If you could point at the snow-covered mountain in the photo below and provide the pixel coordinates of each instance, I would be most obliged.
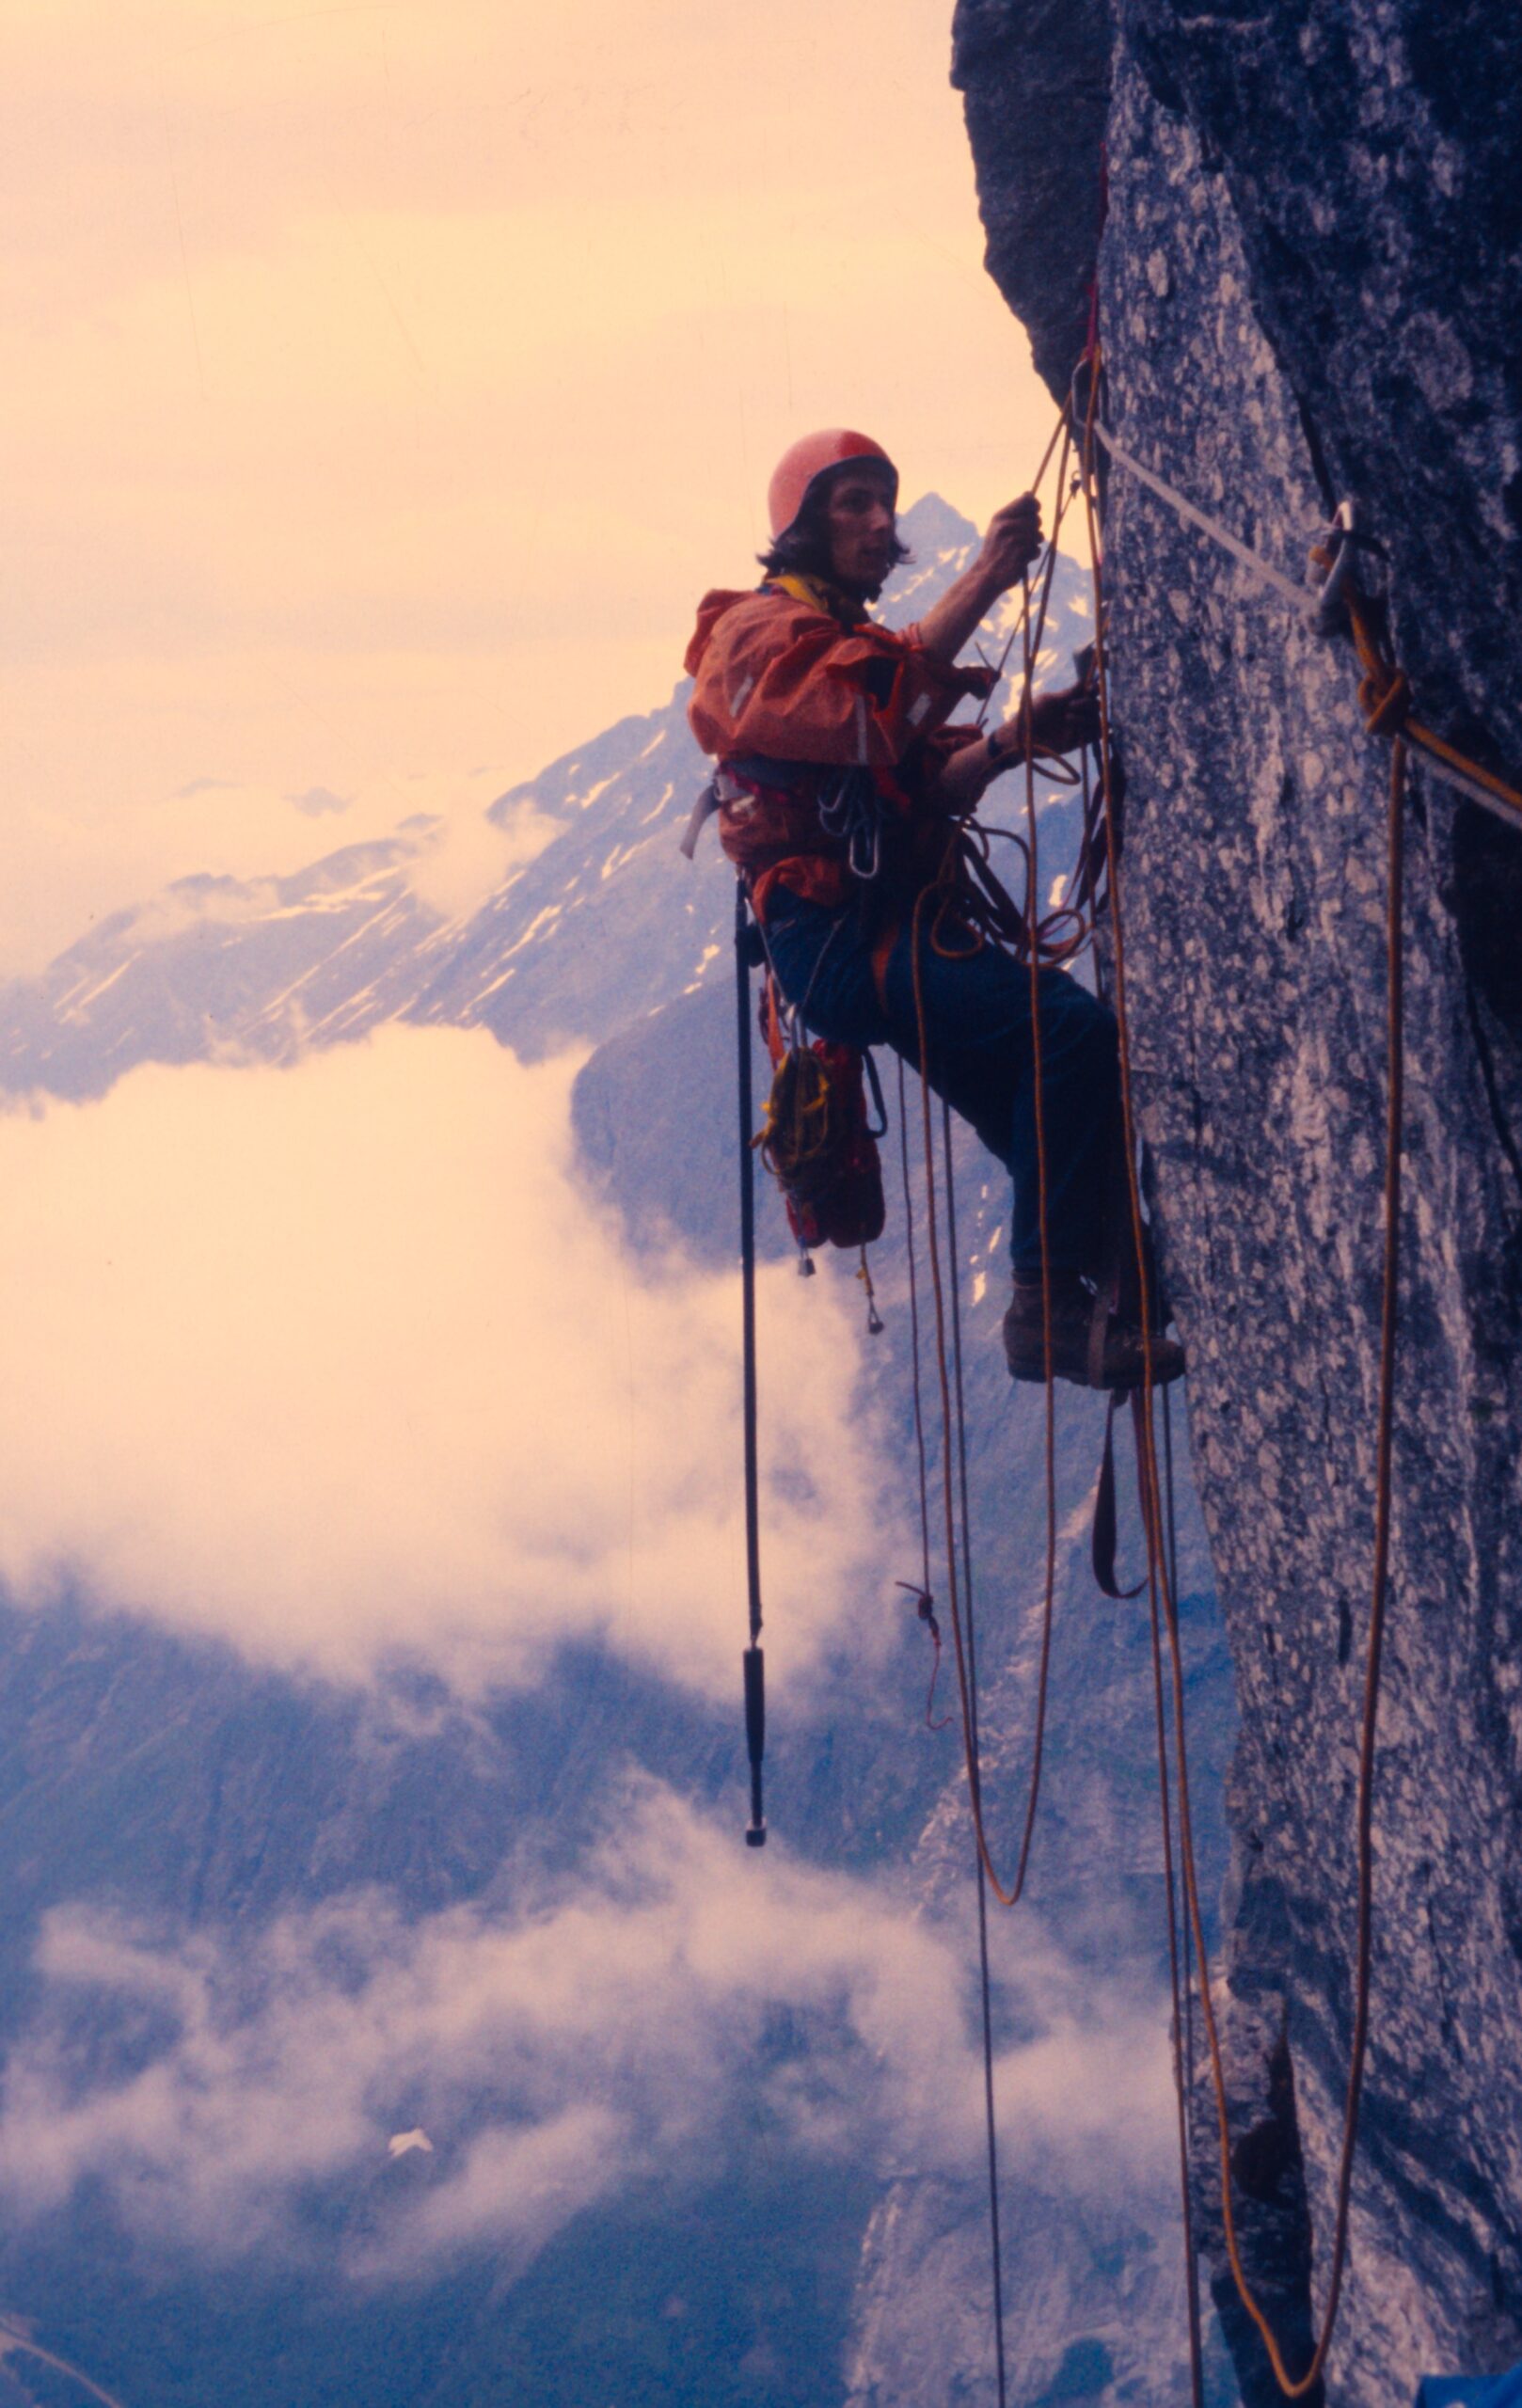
(602, 923)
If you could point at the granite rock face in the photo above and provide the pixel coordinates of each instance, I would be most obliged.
(1308, 290)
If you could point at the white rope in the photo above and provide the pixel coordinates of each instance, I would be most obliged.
(1305, 600)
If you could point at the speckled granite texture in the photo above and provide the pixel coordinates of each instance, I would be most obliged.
(1309, 289)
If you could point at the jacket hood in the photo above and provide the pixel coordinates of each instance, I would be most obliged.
(812, 592)
(710, 610)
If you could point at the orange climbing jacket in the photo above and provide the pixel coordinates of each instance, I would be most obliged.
(794, 687)
(828, 733)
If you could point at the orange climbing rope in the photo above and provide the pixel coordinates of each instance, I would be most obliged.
(1040, 939)
(1008, 1894)
(986, 913)
(1385, 697)
(1152, 1517)
(952, 905)
(1382, 685)
(1178, 1990)
(919, 1590)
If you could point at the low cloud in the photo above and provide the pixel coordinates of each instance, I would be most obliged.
(553, 2053)
(465, 856)
(317, 802)
(338, 1364)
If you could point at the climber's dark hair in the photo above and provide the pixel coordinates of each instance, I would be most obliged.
(803, 548)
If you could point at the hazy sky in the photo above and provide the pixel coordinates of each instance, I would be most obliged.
(383, 382)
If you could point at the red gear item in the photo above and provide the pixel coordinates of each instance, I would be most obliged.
(817, 1142)
(808, 458)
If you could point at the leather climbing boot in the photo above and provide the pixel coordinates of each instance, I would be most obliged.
(1111, 1358)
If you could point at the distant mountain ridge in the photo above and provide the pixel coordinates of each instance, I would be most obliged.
(216, 968)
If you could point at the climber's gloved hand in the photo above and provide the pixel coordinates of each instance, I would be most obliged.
(1012, 541)
(1067, 719)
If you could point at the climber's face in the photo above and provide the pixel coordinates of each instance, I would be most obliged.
(860, 522)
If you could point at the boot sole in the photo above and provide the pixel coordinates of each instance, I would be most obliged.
(1034, 1376)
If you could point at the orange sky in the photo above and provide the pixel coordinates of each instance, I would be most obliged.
(383, 382)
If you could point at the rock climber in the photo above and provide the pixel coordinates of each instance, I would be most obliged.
(839, 768)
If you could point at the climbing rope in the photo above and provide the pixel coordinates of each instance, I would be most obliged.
(984, 1984)
(969, 906)
(1158, 1590)
(1161, 1587)
(1177, 1992)
(794, 1139)
(1008, 1894)
(924, 1600)
(1172, 1537)
(1033, 939)
(754, 1660)
(1303, 601)
(914, 1336)
(957, 906)
(1048, 1460)
(1062, 431)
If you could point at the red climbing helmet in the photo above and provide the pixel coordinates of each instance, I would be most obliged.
(810, 457)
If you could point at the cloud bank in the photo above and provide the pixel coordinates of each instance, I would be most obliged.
(338, 1364)
(553, 2054)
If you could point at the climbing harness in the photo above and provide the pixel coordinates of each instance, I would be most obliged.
(850, 811)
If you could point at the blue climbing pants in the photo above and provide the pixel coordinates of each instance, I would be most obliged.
(977, 1014)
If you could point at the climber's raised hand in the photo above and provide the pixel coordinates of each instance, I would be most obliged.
(1012, 541)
